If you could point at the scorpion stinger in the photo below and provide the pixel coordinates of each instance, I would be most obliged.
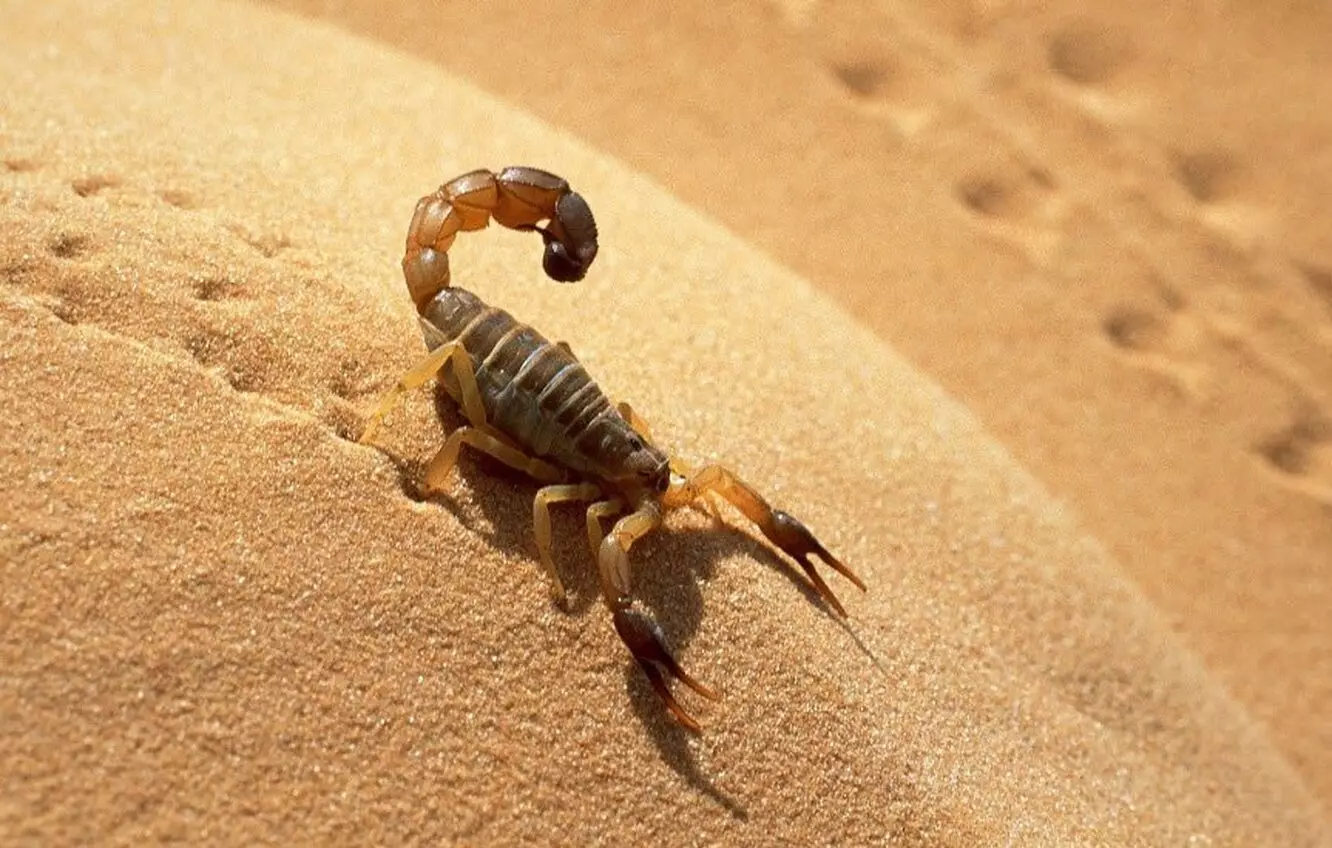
(571, 240)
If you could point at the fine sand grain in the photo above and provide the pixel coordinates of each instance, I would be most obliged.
(223, 620)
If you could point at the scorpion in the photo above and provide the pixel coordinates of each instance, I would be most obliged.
(531, 405)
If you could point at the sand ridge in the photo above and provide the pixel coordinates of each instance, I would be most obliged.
(224, 620)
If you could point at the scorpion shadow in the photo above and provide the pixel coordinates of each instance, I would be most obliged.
(671, 594)
(691, 553)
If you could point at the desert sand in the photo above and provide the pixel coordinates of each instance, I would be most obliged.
(1026, 314)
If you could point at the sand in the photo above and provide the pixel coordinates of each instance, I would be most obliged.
(1046, 364)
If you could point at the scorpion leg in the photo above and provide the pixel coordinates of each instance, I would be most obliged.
(782, 530)
(420, 374)
(639, 632)
(635, 420)
(541, 524)
(447, 458)
(595, 513)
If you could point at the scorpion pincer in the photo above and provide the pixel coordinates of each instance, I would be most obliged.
(531, 405)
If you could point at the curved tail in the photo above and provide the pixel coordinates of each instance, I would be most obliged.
(517, 197)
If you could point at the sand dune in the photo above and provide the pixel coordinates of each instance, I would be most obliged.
(1104, 230)
(225, 620)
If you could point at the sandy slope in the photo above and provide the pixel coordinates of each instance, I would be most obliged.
(223, 620)
(1105, 230)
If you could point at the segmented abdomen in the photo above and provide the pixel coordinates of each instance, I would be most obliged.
(533, 391)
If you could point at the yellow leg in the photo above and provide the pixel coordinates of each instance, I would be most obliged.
(639, 632)
(447, 458)
(541, 524)
(421, 374)
(595, 513)
(640, 426)
(782, 530)
(613, 555)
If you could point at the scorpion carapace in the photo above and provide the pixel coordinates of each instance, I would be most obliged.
(531, 405)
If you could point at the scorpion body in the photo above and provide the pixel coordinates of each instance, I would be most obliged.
(535, 391)
(532, 405)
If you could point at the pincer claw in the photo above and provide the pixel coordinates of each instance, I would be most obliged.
(645, 641)
(786, 532)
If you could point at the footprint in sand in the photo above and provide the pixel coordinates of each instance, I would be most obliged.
(66, 293)
(1006, 193)
(70, 246)
(1088, 54)
(878, 69)
(179, 198)
(1018, 203)
(1218, 182)
(1319, 279)
(91, 185)
(268, 244)
(1163, 338)
(1209, 176)
(886, 86)
(1300, 454)
(1090, 63)
(243, 361)
(213, 288)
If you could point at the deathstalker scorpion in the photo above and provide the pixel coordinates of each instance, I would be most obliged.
(531, 405)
